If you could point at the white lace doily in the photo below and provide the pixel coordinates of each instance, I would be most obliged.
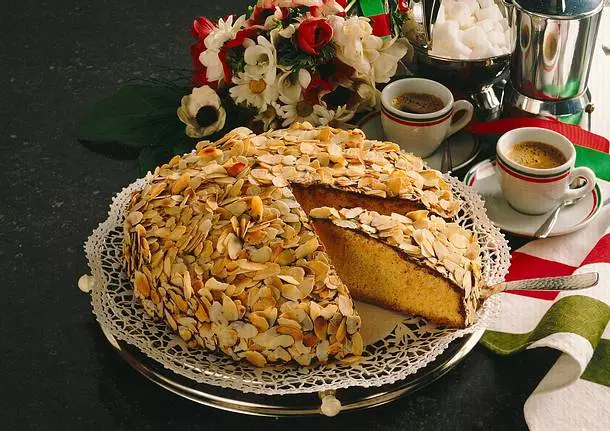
(410, 346)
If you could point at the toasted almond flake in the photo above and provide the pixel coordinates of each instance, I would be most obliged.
(289, 279)
(320, 327)
(295, 333)
(256, 207)
(459, 240)
(187, 288)
(180, 184)
(229, 309)
(357, 344)
(256, 358)
(307, 248)
(261, 255)
(260, 322)
(134, 217)
(141, 284)
(233, 246)
(213, 284)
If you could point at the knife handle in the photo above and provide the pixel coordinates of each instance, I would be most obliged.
(568, 282)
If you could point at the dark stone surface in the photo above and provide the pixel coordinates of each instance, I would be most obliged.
(56, 370)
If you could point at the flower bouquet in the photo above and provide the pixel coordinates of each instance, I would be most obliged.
(283, 61)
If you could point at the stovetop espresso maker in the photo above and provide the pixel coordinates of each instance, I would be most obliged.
(550, 63)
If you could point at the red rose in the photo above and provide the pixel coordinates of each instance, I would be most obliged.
(313, 34)
(202, 27)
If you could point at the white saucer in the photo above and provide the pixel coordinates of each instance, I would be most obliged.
(464, 146)
(484, 179)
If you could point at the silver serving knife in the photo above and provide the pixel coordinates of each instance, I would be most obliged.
(569, 282)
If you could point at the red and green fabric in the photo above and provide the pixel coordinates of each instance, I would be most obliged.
(378, 12)
(575, 394)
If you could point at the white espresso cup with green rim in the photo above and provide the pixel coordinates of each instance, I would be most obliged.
(421, 134)
(536, 191)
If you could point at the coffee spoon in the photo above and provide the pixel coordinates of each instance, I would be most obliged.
(546, 228)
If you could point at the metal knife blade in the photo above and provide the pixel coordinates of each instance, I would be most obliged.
(569, 282)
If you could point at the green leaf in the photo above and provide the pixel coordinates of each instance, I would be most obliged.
(290, 55)
(151, 157)
(174, 142)
(137, 116)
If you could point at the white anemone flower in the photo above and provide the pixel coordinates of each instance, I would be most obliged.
(253, 90)
(260, 58)
(202, 112)
(291, 85)
(301, 111)
(227, 30)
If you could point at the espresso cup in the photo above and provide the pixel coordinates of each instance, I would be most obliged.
(533, 190)
(421, 134)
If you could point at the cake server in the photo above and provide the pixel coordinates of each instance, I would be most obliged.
(569, 282)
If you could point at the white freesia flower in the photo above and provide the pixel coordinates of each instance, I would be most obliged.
(384, 60)
(291, 85)
(202, 112)
(272, 21)
(369, 96)
(301, 111)
(351, 36)
(286, 32)
(253, 90)
(260, 58)
(227, 30)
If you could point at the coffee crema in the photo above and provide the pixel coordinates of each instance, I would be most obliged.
(418, 103)
(536, 154)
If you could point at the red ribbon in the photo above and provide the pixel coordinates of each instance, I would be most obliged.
(381, 25)
(575, 134)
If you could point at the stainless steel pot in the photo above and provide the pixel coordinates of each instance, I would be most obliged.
(554, 42)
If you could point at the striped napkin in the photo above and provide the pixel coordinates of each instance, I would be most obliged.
(575, 394)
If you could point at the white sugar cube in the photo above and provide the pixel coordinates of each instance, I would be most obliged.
(494, 51)
(480, 49)
(445, 33)
(504, 23)
(472, 5)
(456, 10)
(508, 36)
(486, 25)
(472, 36)
(496, 38)
(486, 3)
(459, 50)
(492, 13)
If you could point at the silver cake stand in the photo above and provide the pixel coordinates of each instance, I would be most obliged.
(292, 405)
